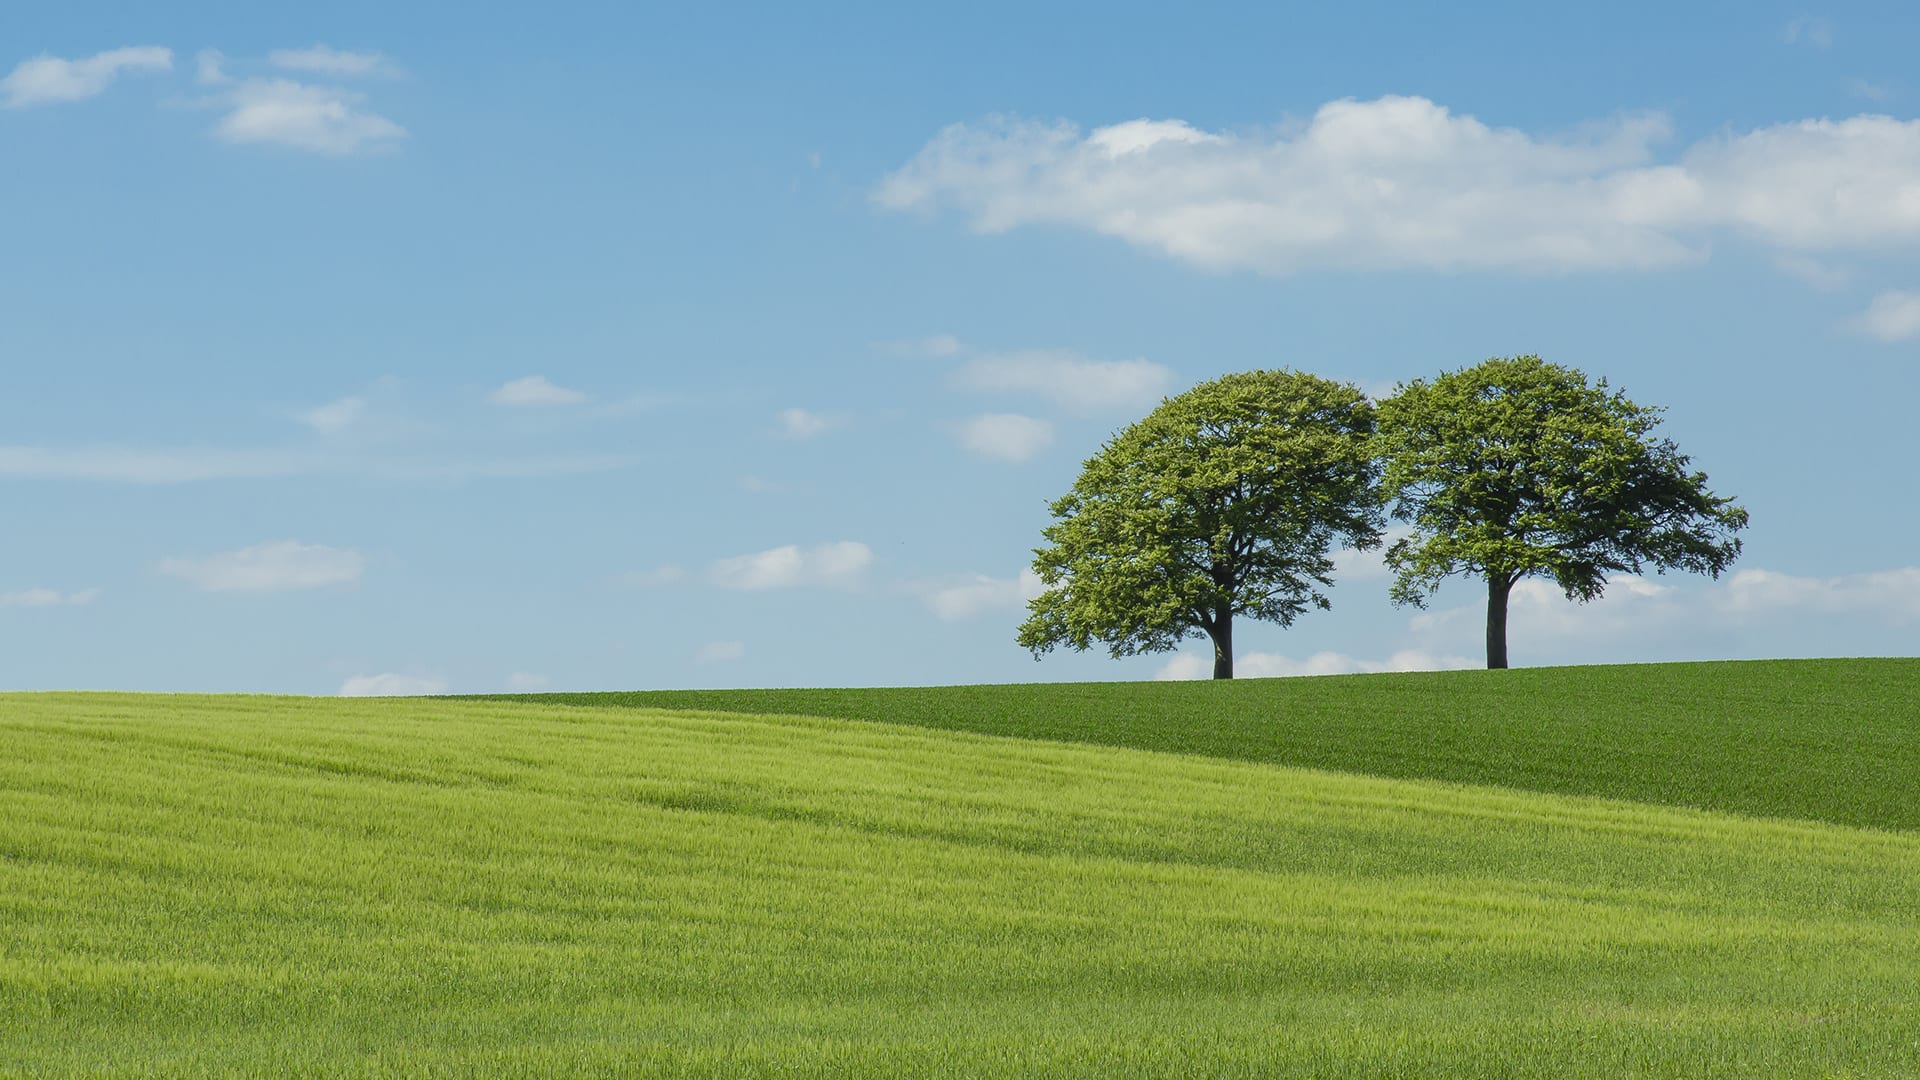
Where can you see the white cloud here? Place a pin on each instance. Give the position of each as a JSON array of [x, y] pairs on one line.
[[1537, 610], [177, 465], [719, 652], [389, 684], [270, 567], [1813, 272], [321, 60], [535, 390], [980, 594], [838, 565], [1746, 606], [1195, 665], [1404, 182], [304, 116], [1892, 596], [1892, 316], [48, 598], [526, 682], [805, 424], [1006, 436], [1808, 30], [1352, 564], [45, 80], [1067, 378], [335, 416]]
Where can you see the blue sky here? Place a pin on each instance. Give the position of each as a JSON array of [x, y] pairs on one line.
[[351, 349]]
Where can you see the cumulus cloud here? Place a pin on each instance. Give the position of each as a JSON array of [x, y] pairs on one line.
[[304, 116], [46, 80], [389, 684], [805, 424], [535, 390], [1195, 665], [719, 652], [1067, 378], [1005, 436], [1404, 182], [270, 567], [1892, 316], [1892, 596], [840, 565], [321, 60], [48, 598], [980, 594]]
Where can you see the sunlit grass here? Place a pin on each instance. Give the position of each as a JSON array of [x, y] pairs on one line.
[[263, 886]]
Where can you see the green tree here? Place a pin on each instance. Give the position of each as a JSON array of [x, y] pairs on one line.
[[1518, 467], [1223, 502]]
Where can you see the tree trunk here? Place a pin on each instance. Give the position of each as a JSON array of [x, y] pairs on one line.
[[1222, 633], [1499, 587]]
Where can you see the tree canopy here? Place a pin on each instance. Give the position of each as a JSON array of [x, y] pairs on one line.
[[1225, 501], [1517, 467]]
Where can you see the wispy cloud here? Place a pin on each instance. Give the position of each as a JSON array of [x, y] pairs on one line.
[[1403, 182], [1892, 316], [1747, 602], [720, 652], [184, 465], [303, 116], [1258, 665], [35, 598], [938, 346], [1814, 273], [526, 682], [47, 80], [1005, 436], [1872, 91], [1809, 30], [321, 60], [271, 567], [1067, 378], [390, 684], [840, 565], [979, 594], [535, 390], [806, 424], [335, 416]]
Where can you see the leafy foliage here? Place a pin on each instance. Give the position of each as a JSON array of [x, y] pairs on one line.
[[1518, 467], [1224, 501]]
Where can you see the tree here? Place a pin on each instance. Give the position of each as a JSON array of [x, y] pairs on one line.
[[1222, 502], [1518, 467]]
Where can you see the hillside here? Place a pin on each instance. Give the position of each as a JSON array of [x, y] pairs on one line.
[[416, 887], [1825, 740]]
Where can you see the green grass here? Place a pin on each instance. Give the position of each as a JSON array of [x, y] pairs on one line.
[[1827, 740], [262, 886]]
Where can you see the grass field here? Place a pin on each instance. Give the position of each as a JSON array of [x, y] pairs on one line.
[[239, 885], [1828, 740]]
